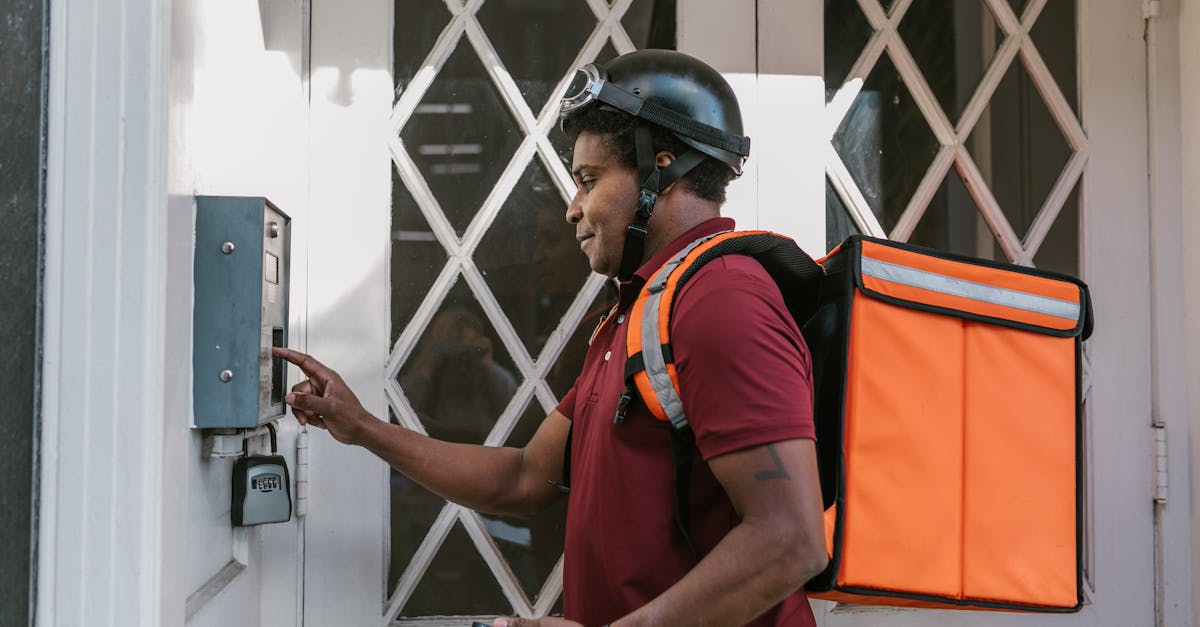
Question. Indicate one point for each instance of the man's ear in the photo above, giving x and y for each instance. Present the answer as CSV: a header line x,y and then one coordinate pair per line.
x,y
663,159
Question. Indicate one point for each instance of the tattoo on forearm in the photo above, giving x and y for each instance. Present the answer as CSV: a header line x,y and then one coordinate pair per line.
x,y
778,472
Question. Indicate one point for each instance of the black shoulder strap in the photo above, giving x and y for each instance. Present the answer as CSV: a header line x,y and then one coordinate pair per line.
x,y
682,443
796,274
799,280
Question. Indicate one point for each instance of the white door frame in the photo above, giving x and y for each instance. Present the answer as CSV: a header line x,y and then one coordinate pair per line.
x,y
774,66
106,394
347,326
1167,66
1115,243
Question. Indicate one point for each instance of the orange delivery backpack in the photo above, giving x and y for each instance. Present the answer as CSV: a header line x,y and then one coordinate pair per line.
x,y
947,403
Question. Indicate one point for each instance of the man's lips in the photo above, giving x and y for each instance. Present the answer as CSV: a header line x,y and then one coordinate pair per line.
x,y
584,238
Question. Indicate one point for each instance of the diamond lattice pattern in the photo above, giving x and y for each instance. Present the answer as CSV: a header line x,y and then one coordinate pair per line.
x,y
949,128
483,191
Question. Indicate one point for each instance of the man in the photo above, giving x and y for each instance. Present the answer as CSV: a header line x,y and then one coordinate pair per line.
x,y
753,532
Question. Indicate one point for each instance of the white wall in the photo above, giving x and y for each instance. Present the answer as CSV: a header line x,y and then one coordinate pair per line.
x,y
238,126
1189,92
100,542
1170,377
770,52
350,240
148,106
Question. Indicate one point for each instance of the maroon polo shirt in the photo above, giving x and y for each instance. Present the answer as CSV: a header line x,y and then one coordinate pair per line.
x,y
745,377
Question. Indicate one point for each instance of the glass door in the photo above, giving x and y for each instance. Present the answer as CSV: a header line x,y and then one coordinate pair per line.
x,y
491,302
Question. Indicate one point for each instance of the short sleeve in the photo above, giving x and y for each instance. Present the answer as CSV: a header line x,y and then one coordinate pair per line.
x,y
744,370
566,406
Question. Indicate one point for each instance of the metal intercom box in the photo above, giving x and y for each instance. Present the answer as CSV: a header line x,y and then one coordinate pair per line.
x,y
240,311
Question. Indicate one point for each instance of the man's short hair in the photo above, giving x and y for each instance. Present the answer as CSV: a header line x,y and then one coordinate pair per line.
x,y
707,180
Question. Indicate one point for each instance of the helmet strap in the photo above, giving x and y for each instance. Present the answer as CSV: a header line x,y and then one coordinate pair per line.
x,y
654,180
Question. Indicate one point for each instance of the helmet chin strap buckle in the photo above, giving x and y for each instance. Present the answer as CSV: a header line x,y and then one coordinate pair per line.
x,y
635,234
645,206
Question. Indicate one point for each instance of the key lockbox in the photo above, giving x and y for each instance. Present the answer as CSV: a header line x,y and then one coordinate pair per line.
x,y
240,311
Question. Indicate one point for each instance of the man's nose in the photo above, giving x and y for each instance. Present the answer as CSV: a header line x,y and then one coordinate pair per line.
x,y
574,211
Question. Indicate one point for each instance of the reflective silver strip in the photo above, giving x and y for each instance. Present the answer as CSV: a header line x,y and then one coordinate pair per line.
x,y
969,289
656,366
652,355
658,282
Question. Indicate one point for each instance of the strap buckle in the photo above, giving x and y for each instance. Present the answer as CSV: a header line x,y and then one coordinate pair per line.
x,y
623,405
645,207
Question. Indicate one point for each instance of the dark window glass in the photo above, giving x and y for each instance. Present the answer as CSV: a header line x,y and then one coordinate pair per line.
x,y
461,136
566,368
537,41
886,143
458,581
1060,250
1016,144
418,25
651,23
530,258
459,378
953,42
1054,35
846,34
417,256
1018,148
1018,6
952,223
413,510
838,223
22,59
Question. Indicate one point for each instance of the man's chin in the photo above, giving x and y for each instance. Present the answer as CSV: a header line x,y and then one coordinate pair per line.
x,y
605,271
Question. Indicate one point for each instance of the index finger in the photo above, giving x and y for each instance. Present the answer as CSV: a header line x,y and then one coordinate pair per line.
x,y
307,363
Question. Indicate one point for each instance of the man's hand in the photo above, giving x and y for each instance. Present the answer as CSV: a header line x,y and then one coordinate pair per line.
x,y
548,621
324,400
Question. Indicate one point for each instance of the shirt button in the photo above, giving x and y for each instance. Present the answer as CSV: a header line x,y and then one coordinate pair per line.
x,y
620,318
607,355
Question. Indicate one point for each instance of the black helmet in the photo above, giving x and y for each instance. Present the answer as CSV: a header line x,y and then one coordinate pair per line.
x,y
676,92
673,90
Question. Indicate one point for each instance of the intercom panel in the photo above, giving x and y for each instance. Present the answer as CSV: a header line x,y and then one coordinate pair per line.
x,y
240,311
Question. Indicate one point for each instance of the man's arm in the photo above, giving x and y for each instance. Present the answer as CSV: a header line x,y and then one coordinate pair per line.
x,y
778,545
495,480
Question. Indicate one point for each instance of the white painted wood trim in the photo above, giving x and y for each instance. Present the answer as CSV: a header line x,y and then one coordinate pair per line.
x,y
786,121
1114,230
101,481
347,270
924,195
1171,64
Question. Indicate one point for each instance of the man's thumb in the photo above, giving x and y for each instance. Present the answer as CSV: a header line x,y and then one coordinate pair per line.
x,y
310,403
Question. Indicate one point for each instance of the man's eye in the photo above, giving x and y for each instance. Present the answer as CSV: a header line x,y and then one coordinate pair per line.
x,y
588,183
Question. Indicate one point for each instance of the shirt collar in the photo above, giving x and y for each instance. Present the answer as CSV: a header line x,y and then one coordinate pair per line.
x,y
629,289
711,226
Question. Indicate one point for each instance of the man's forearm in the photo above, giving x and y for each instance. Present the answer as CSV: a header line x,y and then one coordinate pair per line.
x,y
750,571
483,478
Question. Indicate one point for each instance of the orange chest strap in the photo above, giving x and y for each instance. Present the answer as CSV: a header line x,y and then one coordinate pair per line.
x,y
650,365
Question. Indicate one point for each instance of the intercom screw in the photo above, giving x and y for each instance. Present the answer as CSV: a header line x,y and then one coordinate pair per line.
x,y
273,229
227,248
226,376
